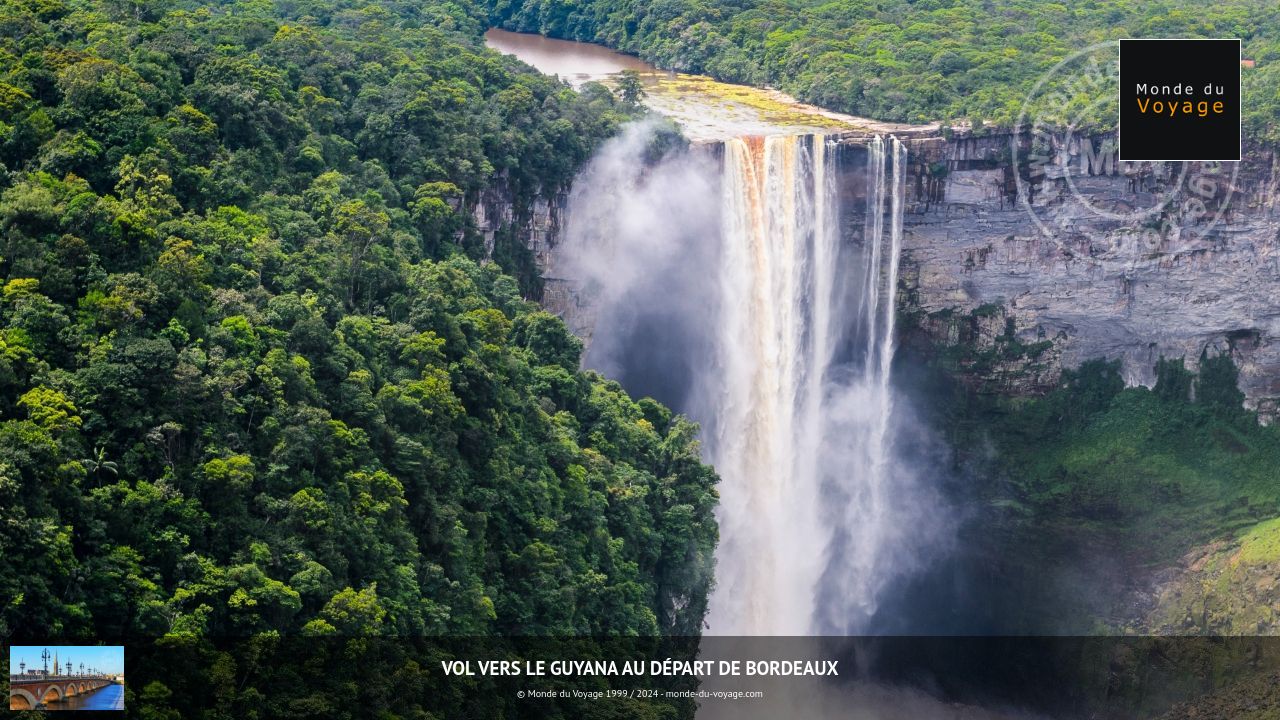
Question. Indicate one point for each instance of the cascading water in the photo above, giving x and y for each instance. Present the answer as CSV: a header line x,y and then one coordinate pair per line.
x,y
868,525
790,337
776,264
784,325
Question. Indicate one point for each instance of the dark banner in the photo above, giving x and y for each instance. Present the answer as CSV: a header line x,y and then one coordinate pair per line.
x,y
715,677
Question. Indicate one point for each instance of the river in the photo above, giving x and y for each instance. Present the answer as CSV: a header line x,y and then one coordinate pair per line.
x,y
705,109
110,697
574,62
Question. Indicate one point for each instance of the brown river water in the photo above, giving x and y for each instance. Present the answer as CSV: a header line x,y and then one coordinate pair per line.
x,y
573,62
706,109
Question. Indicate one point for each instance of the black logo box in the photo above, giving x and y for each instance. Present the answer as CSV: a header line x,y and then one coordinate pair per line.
x,y
1180,65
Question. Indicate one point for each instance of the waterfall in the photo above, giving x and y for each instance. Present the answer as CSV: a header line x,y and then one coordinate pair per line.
x,y
770,400
797,354
733,286
870,528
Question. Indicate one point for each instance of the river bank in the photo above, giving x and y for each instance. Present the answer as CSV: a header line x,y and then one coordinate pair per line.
x,y
706,109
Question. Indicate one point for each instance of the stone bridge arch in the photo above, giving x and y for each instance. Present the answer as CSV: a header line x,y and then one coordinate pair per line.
x,y
53,693
20,699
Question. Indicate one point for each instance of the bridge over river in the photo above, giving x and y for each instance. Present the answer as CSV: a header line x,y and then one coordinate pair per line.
x,y
28,692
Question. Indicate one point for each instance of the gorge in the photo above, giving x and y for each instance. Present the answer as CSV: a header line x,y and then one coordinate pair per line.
x,y
341,354
636,263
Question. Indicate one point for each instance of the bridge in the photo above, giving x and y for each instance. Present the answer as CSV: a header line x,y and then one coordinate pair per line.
x,y
28,692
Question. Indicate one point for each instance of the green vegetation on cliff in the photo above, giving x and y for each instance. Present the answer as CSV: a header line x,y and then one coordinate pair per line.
x,y
1229,587
255,373
912,60
1156,464
1091,486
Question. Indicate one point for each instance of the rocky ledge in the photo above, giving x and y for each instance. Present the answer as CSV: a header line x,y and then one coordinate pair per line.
x,y
1058,249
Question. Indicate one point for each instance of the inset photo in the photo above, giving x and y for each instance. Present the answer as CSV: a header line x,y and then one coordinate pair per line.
x,y
66,677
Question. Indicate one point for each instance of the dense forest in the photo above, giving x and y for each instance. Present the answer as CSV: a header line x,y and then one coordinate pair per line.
x,y
257,373
908,60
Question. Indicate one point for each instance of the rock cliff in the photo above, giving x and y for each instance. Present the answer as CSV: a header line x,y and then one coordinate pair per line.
x,y
536,226
1085,268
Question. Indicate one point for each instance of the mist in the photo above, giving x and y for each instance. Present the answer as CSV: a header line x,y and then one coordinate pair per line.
x,y
751,285
639,244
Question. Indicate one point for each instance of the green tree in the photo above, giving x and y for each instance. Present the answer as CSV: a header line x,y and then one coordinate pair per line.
x,y
630,88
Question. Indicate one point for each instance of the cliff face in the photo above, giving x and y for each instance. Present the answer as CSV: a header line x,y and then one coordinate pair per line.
x,y
1082,270
1082,274
536,227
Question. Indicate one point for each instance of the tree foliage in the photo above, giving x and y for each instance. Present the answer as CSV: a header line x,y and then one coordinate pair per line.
x,y
256,373
908,60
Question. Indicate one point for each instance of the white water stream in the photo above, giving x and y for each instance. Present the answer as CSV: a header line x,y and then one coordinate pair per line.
x,y
794,432
721,281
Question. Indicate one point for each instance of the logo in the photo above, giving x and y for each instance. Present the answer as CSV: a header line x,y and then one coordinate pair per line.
x,y
1180,100
1068,171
